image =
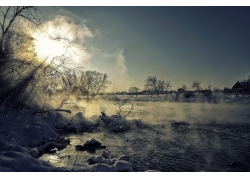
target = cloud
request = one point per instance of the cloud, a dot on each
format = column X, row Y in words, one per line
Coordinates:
column 120, row 63
column 66, row 27
column 119, row 75
column 59, row 31
column 61, row 35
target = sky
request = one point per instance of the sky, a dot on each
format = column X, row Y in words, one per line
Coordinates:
column 176, row 43
column 180, row 44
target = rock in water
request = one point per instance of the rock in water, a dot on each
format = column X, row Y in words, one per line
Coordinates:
column 123, row 166
column 124, row 157
column 90, row 146
column 80, row 148
column 95, row 159
column 105, row 154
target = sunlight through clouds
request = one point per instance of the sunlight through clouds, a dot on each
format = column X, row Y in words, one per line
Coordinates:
column 61, row 36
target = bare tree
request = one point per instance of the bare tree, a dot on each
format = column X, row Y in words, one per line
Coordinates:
column 133, row 90
column 90, row 83
column 196, row 85
column 18, row 62
column 161, row 86
column 13, row 18
column 184, row 87
column 167, row 87
column 152, row 84
column 126, row 103
column 23, row 76
column 209, row 86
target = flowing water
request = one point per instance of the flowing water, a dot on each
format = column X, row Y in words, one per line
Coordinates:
column 173, row 137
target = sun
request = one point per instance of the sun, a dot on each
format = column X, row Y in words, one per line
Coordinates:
column 47, row 47
column 61, row 36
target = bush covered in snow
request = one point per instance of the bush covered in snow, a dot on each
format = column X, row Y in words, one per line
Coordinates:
column 116, row 123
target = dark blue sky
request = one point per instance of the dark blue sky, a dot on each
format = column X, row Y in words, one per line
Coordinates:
column 180, row 44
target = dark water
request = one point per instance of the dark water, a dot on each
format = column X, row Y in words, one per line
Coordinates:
column 176, row 137
column 200, row 148
column 170, row 147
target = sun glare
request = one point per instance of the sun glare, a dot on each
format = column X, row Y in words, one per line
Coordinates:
column 70, row 41
column 48, row 48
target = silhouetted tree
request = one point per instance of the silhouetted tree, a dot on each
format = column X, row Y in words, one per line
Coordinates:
column 152, row 84
column 13, row 19
column 23, row 76
column 161, row 86
column 167, row 87
column 91, row 83
column 196, row 85
column 184, row 86
column 133, row 90
column 18, row 63
column 209, row 86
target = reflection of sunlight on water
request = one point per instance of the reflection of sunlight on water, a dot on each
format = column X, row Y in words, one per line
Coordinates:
column 54, row 159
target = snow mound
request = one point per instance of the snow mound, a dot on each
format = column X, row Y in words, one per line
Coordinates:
column 81, row 122
column 106, row 163
column 15, row 158
column 118, row 123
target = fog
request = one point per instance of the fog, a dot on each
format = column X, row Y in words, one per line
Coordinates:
column 171, row 136
column 159, row 112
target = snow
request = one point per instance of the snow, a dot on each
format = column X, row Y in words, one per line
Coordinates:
column 111, row 165
column 23, row 135
column 15, row 158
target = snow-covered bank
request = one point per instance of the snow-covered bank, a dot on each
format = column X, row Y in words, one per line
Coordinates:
column 15, row 158
column 23, row 136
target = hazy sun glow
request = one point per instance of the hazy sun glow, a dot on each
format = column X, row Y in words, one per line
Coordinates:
column 56, row 40
column 48, row 48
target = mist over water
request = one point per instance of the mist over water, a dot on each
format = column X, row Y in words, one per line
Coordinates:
column 175, row 136
column 160, row 112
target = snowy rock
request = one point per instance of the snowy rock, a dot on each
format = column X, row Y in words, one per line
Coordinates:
column 111, row 165
column 99, row 159
column 105, row 154
column 115, row 123
column 119, row 166
column 95, row 159
column 118, row 128
column 152, row 171
column 105, row 168
column 113, row 161
column 124, row 157
column 122, row 165
column 80, row 121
